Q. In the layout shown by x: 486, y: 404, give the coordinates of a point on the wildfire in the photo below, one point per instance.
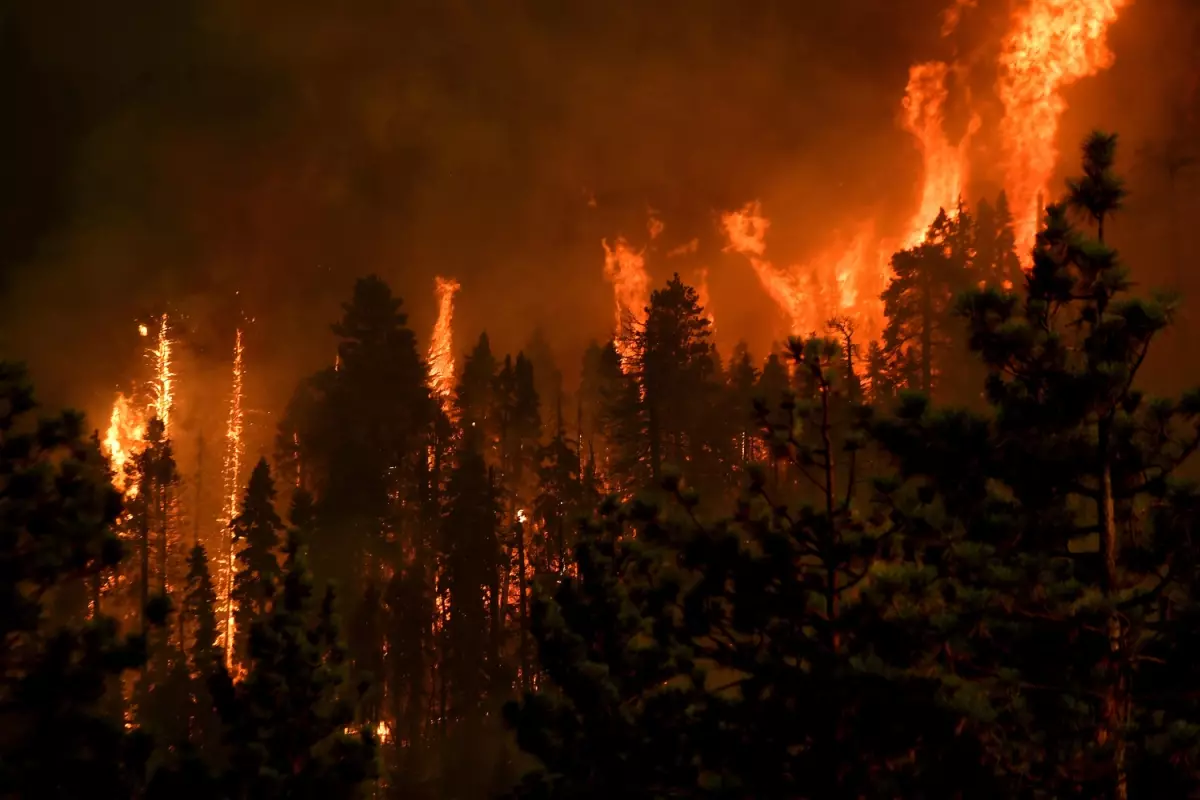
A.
x: 231, y: 474
x: 441, y: 347
x: 123, y: 440
x: 164, y: 379
x: 1051, y: 45
x: 625, y: 269
x: 811, y: 293
x: 945, y: 172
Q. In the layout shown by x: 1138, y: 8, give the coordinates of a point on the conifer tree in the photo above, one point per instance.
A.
x: 560, y: 495
x: 919, y: 301
x: 1058, y: 525
x: 286, y: 721
x: 57, y: 509
x: 256, y: 536
x: 470, y: 546
x: 473, y: 396
x: 743, y: 380
x: 740, y: 658
x: 200, y: 611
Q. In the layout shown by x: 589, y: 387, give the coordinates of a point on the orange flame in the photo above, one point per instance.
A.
x: 164, y: 379
x: 441, y: 347
x: 123, y: 440
x: 810, y: 294
x: 625, y: 269
x: 231, y: 474
x: 945, y: 164
x: 1051, y: 45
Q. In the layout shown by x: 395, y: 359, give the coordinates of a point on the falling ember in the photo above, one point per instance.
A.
x: 1051, y: 45
x: 164, y: 379
x: 231, y: 474
x: 441, y: 346
x: 625, y: 269
x: 945, y: 164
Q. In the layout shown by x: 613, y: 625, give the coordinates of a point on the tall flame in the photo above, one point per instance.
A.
x: 164, y: 378
x: 231, y: 474
x: 945, y: 172
x: 829, y: 285
x: 441, y: 347
x: 1051, y: 45
x: 625, y: 269
x: 123, y: 440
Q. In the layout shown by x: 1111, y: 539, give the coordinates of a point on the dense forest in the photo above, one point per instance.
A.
x: 953, y: 562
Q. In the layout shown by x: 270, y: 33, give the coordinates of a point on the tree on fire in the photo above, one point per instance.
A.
x: 1064, y: 546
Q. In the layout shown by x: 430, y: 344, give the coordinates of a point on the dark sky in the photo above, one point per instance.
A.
x: 228, y: 159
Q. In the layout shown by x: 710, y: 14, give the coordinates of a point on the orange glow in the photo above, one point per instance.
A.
x: 441, y: 347
x: 625, y: 269
x: 123, y: 440
x: 846, y: 278
x: 945, y: 173
x: 164, y: 379
x: 1051, y: 45
x: 231, y: 474
x: 812, y: 293
x: 704, y: 299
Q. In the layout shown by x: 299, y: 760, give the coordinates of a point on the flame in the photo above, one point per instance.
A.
x: 945, y: 163
x: 521, y: 516
x: 625, y: 269
x: 441, y: 347
x: 1051, y: 45
x: 143, y: 330
x: 847, y: 277
x: 231, y: 475
x: 164, y: 379
x: 829, y: 285
x: 123, y: 440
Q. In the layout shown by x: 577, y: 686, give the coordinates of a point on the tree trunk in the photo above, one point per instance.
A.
x: 523, y: 610
x: 1114, y: 698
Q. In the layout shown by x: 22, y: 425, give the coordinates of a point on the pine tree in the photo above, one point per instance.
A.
x: 362, y: 429
x: 743, y: 380
x: 560, y: 496
x: 473, y: 397
x: 200, y: 612
x: 919, y: 301
x: 470, y: 547
x: 733, y: 659
x: 57, y: 510
x: 286, y: 721
x: 256, y: 537
x: 1058, y: 522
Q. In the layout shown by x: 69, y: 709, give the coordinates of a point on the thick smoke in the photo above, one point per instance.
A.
x: 241, y: 163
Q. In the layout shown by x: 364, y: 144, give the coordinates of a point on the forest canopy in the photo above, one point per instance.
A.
x: 831, y: 572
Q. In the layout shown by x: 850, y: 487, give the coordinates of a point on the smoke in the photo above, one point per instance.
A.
x: 226, y: 161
